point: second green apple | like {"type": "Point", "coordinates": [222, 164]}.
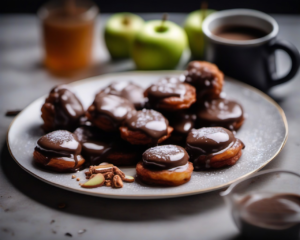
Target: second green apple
{"type": "Point", "coordinates": [193, 28]}
{"type": "Point", "coordinates": [158, 45]}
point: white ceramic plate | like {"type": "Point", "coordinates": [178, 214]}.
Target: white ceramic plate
{"type": "Point", "coordinates": [264, 134]}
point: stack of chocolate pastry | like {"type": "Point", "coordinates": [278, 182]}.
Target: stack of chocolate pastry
{"type": "Point", "coordinates": [174, 126]}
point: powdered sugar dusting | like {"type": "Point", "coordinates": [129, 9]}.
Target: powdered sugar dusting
{"type": "Point", "coordinates": [203, 132]}
{"type": "Point", "coordinates": [162, 151]}
{"type": "Point", "coordinates": [145, 116]}
{"type": "Point", "coordinates": [60, 136]}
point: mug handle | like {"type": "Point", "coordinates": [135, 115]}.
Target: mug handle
{"type": "Point", "coordinates": [293, 52]}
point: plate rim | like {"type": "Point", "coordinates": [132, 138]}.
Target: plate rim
{"type": "Point", "coordinates": [153, 196]}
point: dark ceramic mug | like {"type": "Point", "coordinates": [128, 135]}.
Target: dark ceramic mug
{"type": "Point", "coordinates": [250, 61]}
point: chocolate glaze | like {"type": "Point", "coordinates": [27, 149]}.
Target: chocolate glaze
{"type": "Point", "coordinates": [199, 75]}
{"type": "Point", "coordinates": [97, 145]}
{"type": "Point", "coordinates": [94, 151]}
{"type": "Point", "coordinates": [68, 109]}
{"type": "Point", "coordinates": [208, 142]}
{"type": "Point", "coordinates": [269, 216]}
{"type": "Point", "coordinates": [165, 157]}
{"type": "Point", "coordinates": [165, 88]}
{"type": "Point", "coordinates": [113, 107]}
{"type": "Point", "coordinates": [183, 123]}
{"type": "Point", "coordinates": [220, 112]}
{"type": "Point", "coordinates": [59, 143]}
{"type": "Point", "coordinates": [151, 122]}
{"type": "Point", "coordinates": [86, 133]}
{"type": "Point", "coordinates": [128, 90]}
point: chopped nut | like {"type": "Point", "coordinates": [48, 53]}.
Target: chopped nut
{"type": "Point", "coordinates": [117, 171]}
{"type": "Point", "coordinates": [103, 168]}
{"type": "Point", "coordinates": [108, 175]}
{"type": "Point", "coordinates": [78, 179]}
{"type": "Point", "coordinates": [93, 175]}
{"type": "Point", "coordinates": [117, 182]}
{"type": "Point", "coordinates": [73, 176]}
{"type": "Point", "coordinates": [128, 179]}
{"type": "Point", "coordinates": [107, 183]}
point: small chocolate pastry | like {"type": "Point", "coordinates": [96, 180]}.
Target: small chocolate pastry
{"type": "Point", "coordinates": [128, 90]}
{"type": "Point", "coordinates": [60, 151]}
{"type": "Point", "coordinates": [61, 110]}
{"type": "Point", "coordinates": [145, 127]}
{"type": "Point", "coordinates": [206, 78]}
{"type": "Point", "coordinates": [108, 111]}
{"type": "Point", "coordinates": [99, 146]}
{"type": "Point", "coordinates": [166, 165]}
{"type": "Point", "coordinates": [182, 122]}
{"type": "Point", "coordinates": [86, 133]}
{"type": "Point", "coordinates": [221, 112]}
{"type": "Point", "coordinates": [213, 147]}
{"type": "Point", "coordinates": [170, 94]}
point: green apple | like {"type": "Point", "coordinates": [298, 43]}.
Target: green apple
{"type": "Point", "coordinates": [193, 29]}
{"type": "Point", "coordinates": [158, 45]}
{"type": "Point", "coordinates": [119, 32]}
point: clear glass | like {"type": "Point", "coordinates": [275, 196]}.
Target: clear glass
{"type": "Point", "coordinates": [266, 205]}
{"type": "Point", "coordinates": [67, 33]}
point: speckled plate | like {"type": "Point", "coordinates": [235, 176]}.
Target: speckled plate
{"type": "Point", "coordinates": [264, 134]}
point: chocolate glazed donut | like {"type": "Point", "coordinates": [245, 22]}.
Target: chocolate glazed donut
{"type": "Point", "coordinates": [60, 151]}
{"type": "Point", "coordinates": [165, 165]}
{"type": "Point", "coordinates": [206, 78]}
{"type": "Point", "coordinates": [145, 127]}
{"type": "Point", "coordinates": [170, 94]}
{"type": "Point", "coordinates": [128, 90]}
{"type": "Point", "coordinates": [61, 110]}
{"type": "Point", "coordinates": [213, 147]}
{"type": "Point", "coordinates": [99, 146]}
{"type": "Point", "coordinates": [221, 112]}
{"type": "Point", "coordinates": [108, 111]}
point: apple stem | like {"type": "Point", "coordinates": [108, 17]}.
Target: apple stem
{"type": "Point", "coordinates": [203, 11]}
{"type": "Point", "coordinates": [164, 18]}
{"type": "Point", "coordinates": [126, 20]}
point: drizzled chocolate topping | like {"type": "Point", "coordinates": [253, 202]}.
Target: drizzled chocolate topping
{"type": "Point", "coordinates": [220, 112]}
{"type": "Point", "coordinates": [86, 133]}
{"type": "Point", "coordinates": [59, 143]}
{"type": "Point", "coordinates": [68, 109]}
{"type": "Point", "coordinates": [114, 107]}
{"type": "Point", "coordinates": [129, 91]}
{"type": "Point", "coordinates": [97, 145]}
{"type": "Point", "coordinates": [206, 141]}
{"type": "Point", "coordinates": [201, 74]}
{"type": "Point", "coordinates": [150, 122]}
{"type": "Point", "coordinates": [184, 123]}
{"type": "Point", "coordinates": [164, 88]}
{"type": "Point", "coordinates": [165, 157]}
{"type": "Point", "coordinates": [94, 151]}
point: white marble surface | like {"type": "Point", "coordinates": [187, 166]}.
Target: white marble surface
{"type": "Point", "coordinates": [28, 206]}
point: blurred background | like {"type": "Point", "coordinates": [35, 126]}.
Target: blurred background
{"type": "Point", "coordinates": [275, 6]}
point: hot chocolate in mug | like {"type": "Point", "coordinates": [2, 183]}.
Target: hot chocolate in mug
{"type": "Point", "coordinates": [242, 43]}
